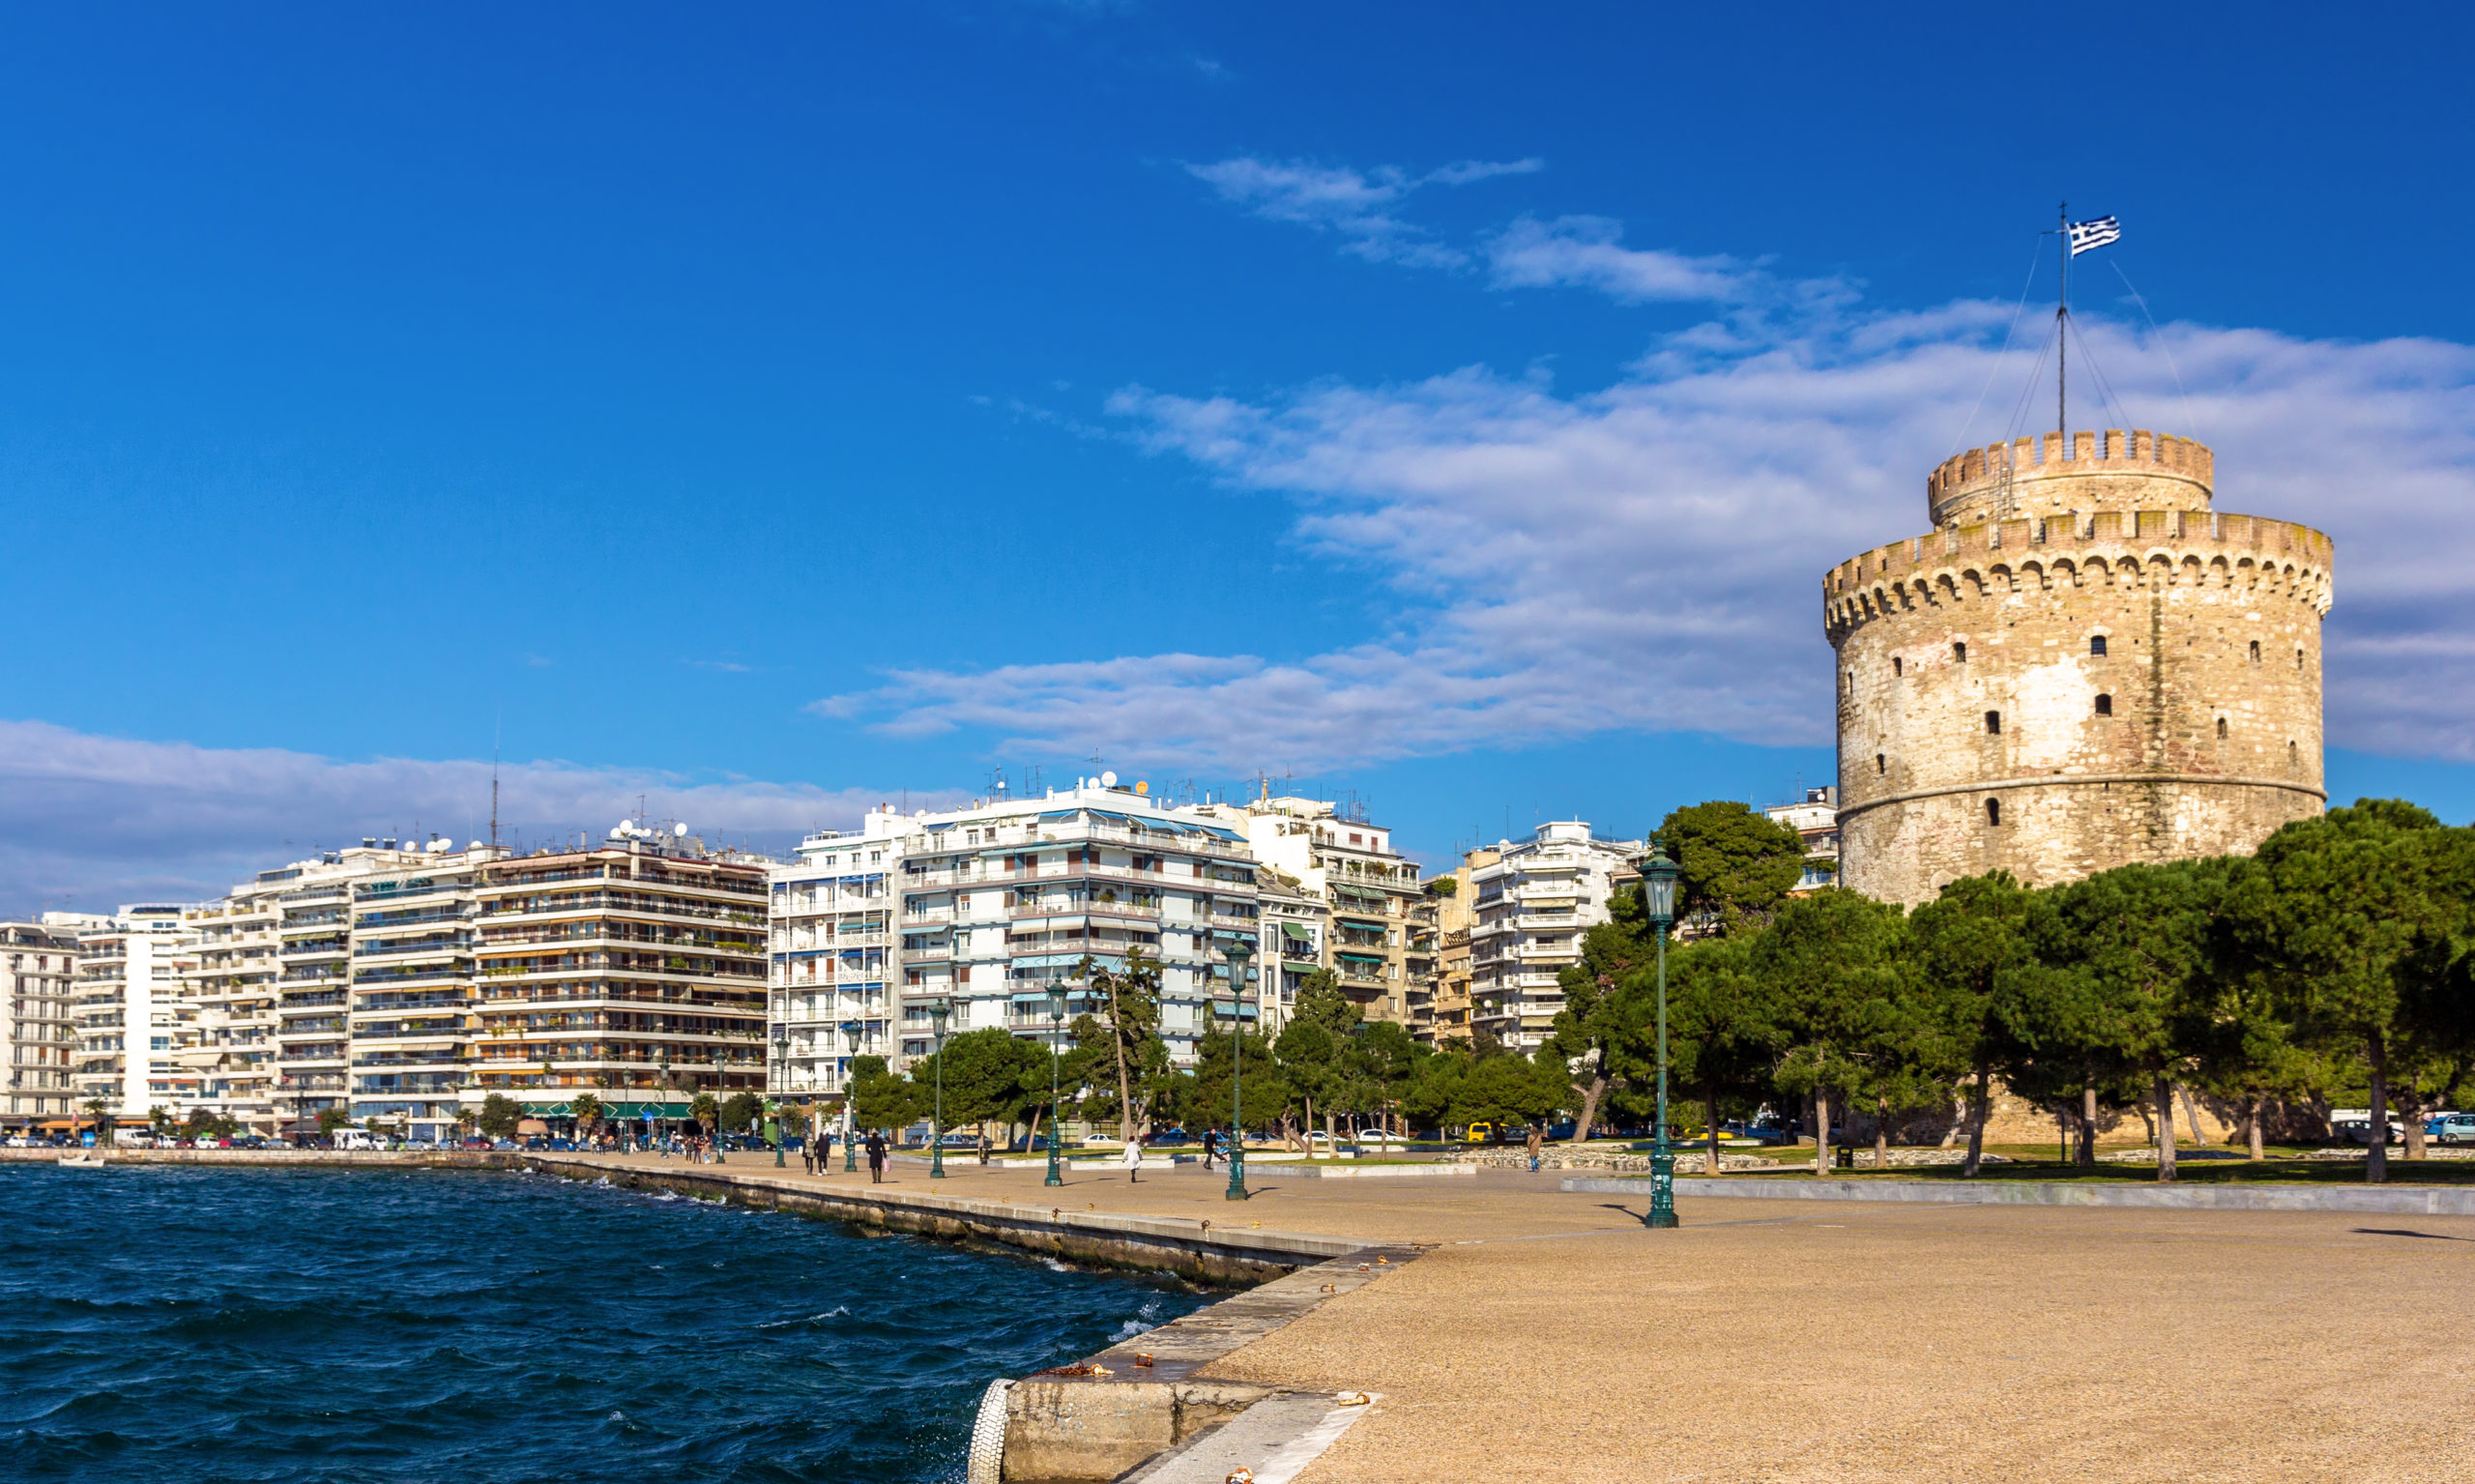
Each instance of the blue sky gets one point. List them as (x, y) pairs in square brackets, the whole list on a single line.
[(776, 412)]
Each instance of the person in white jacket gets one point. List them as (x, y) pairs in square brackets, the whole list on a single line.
[(1132, 1159)]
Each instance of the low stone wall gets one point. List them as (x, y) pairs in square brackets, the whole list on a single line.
[(2383, 1200)]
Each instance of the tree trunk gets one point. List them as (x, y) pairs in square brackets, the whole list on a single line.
[(1329, 1143), (1129, 1131), (2411, 1121), (2251, 1126), (1976, 1127), (1822, 1132), (1589, 1115), (2191, 1114), (2375, 1162), (2088, 1126), (1710, 1119), (1310, 1123), (1881, 1133), (1035, 1141), (2062, 1132), (2165, 1128), (1959, 1120)]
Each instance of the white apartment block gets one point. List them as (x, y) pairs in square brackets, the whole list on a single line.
[(984, 909), (1530, 908), (1817, 819), (1381, 942), (37, 1024), (131, 1011)]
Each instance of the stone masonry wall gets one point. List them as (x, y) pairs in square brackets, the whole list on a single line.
[(1979, 727)]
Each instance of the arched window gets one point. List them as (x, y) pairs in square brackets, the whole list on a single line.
[(1994, 811), (2105, 706), (1960, 653), (2256, 651), (1895, 665), (1994, 723), (2097, 645), (2221, 728)]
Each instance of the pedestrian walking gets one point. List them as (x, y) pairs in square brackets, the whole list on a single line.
[(1535, 1143), (876, 1157), (1132, 1159), (807, 1155), (1210, 1146), (984, 1145)]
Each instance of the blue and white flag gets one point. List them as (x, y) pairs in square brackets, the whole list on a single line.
[(2085, 235)]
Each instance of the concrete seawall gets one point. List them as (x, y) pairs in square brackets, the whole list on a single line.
[(2376, 1200)]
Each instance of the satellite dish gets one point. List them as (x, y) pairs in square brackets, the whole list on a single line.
[(1142, 787), (680, 829), (1108, 781), (626, 824)]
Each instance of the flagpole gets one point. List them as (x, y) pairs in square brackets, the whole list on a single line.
[(2062, 330)]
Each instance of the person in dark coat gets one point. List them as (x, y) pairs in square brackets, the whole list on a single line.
[(1210, 1146), (876, 1157)]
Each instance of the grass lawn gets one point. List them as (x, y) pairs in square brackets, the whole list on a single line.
[(2038, 1163)]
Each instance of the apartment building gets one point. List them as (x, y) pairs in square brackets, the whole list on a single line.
[(1455, 898), (1817, 819), (131, 1014), (1531, 907), (1382, 942), (1297, 942), (39, 1029), (985, 909), (633, 969)]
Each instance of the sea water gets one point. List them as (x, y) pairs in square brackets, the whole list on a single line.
[(402, 1327)]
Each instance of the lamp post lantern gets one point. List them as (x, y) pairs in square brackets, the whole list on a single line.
[(1658, 896), (1056, 1034), (1240, 951), (937, 1014), (718, 1105), (852, 1030)]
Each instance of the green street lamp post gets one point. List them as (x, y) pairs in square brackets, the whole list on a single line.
[(1238, 951), (852, 1030), (1658, 895), (782, 1058), (1056, 1037), (937, 1014), (717, 1106)]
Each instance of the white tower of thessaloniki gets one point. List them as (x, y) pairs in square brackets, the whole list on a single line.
[(2084, 665)]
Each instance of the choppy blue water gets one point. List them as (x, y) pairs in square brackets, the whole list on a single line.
[(402, 1327)]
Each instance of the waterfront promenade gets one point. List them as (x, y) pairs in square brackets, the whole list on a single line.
[(1547, 1336)]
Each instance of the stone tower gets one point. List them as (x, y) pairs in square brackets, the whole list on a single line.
[(2084, 665)]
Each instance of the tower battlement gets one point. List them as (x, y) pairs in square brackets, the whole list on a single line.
[(2046, 476)]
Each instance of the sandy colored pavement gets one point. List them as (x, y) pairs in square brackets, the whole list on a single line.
[(1550, 1337)]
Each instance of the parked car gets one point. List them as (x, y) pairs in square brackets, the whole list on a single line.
[(1161, 1136), (563, 1145), (2452, 1128), (959, 1139)]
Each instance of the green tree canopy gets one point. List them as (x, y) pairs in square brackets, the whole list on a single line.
[(1736, 864), (499, 1115)]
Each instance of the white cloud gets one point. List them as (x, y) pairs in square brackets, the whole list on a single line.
[(1649, 555), (1587, 253), (1357, 205), (103, 820)]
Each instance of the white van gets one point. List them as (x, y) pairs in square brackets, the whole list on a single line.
[(355, 1139)]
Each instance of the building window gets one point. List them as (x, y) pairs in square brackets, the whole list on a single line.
[(2105, 706), (1960, 653), (1994, 811), (1994, 723), (2298, 656), (2097, 645), (1895, 666), (2256, 651), (1881, 766), (2221, 728)]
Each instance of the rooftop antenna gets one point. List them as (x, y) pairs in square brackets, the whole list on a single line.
[(494, 786)]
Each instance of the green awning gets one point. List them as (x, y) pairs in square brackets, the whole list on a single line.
[(1295, 932)]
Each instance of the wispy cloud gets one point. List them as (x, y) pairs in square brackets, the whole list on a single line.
[(1361, 206), (102, 820), (1648, 555)]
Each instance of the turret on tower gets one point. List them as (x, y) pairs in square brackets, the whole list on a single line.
[(2083, 664)]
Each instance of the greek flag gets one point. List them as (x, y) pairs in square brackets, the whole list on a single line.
[(2085, 235)]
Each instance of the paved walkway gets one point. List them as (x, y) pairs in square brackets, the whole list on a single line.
[(1549, 1337)]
